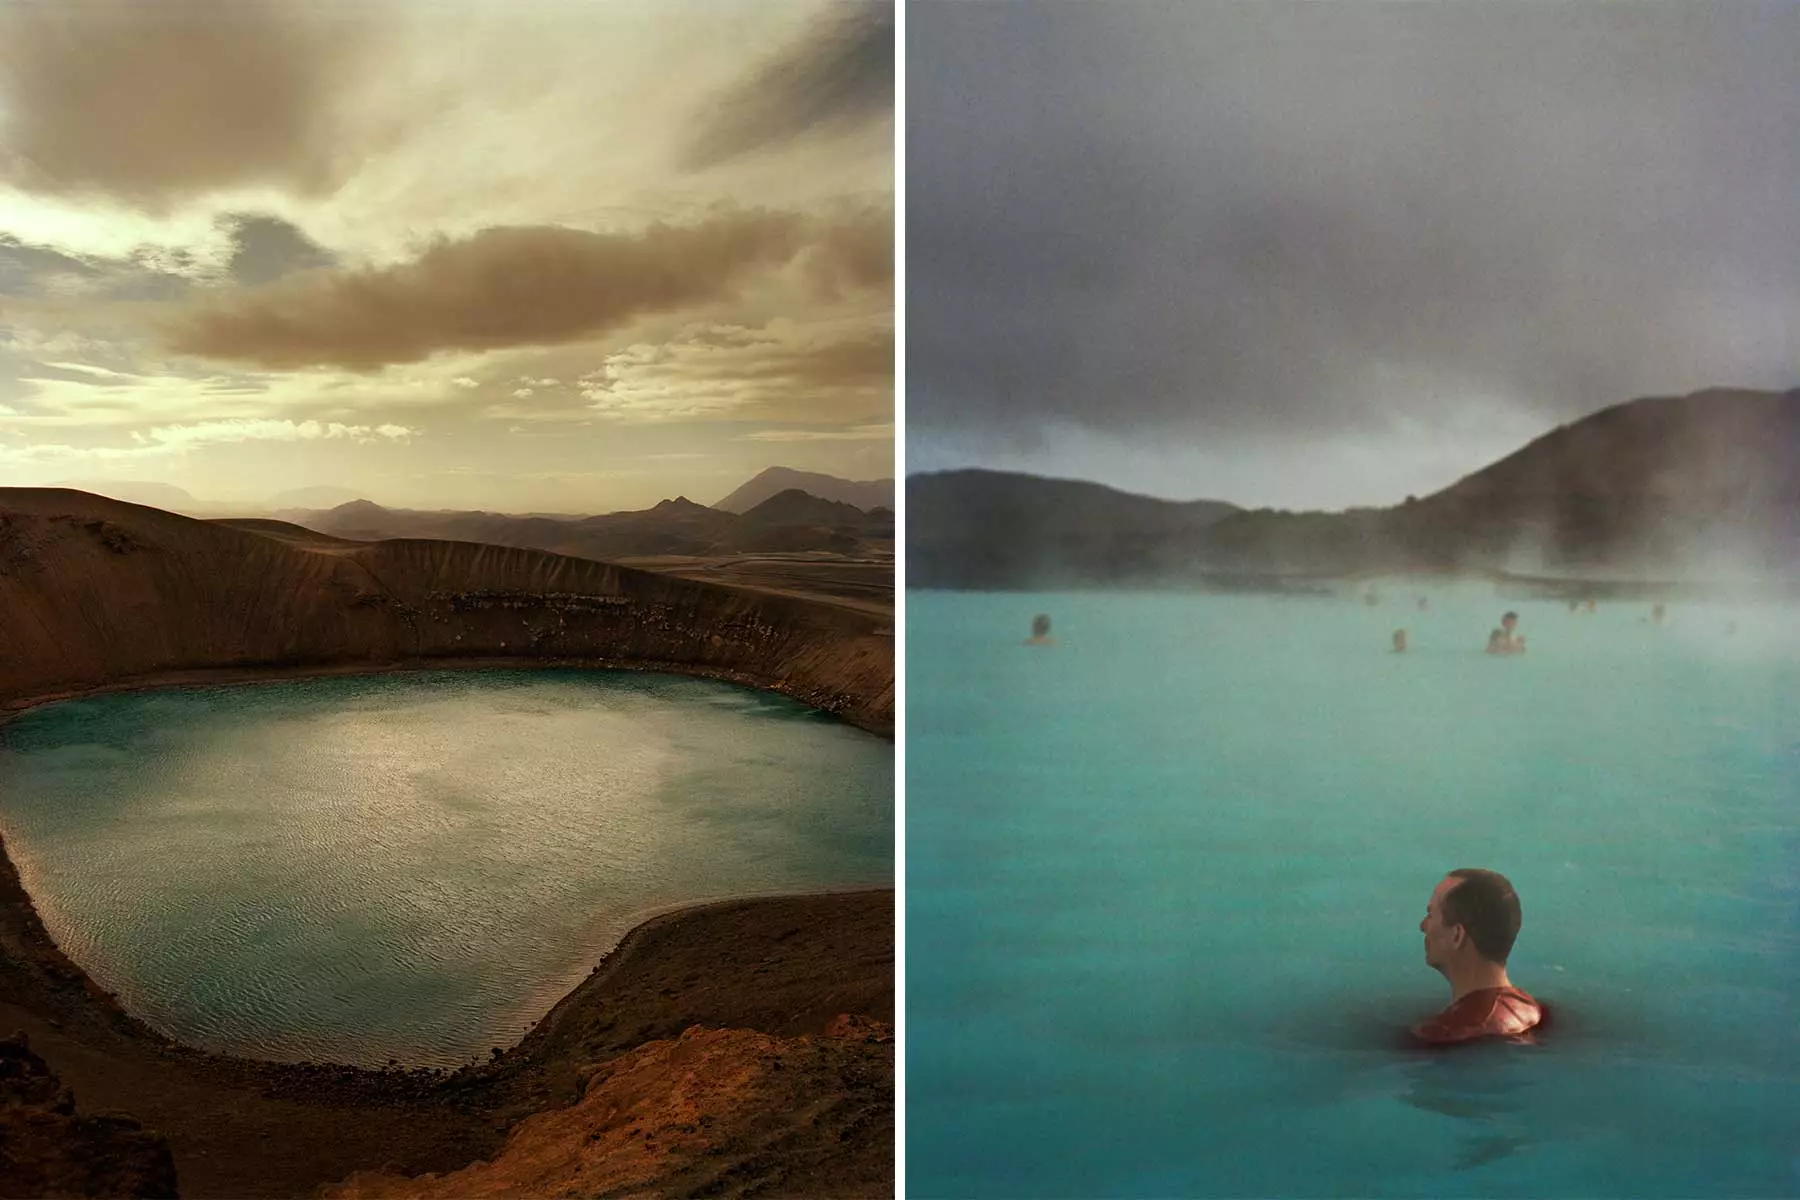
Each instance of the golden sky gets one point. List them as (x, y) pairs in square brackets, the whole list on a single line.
[(520, 256)]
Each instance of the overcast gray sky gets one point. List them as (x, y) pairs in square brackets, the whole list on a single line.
[(505, 254), (1327, 254)]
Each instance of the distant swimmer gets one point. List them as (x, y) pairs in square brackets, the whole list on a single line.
[(1399, 641), (1503, 640), (1471, 922), (1573, 605), (1656, 614), (1590, 604), (1040, 631), (1424, 604), (1371, 599)]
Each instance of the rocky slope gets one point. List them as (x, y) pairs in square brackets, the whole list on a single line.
[(97, 592), (715, 1112)]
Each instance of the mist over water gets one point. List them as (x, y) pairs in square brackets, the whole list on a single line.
[(415, 865), (1165, 879)]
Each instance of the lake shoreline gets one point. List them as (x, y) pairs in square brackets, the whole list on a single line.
[(783, 965)]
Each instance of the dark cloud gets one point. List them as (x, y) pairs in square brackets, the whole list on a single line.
[(1214, 221), (22, 266), (509, 286), (853, 250), (838, 75), (42, 271), (155, 102), (264, 248)]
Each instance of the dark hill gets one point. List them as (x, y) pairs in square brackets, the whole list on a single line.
[(997, 529), (863, 494), (795, 507)]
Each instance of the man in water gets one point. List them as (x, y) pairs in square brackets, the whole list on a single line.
[(1503, 640), (1040, 631), (1470, 925), (1399, 641), (1656, 614)]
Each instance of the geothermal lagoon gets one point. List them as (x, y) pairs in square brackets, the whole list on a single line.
[(415, 866), (1165, 879)]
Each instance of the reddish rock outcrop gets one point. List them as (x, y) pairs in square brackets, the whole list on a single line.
[(715, 1112)]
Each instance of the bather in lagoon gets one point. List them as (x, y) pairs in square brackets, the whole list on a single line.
[(1471, 922)]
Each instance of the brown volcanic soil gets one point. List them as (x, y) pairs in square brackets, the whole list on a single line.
[(862, 584), (97, 594), (717, 1112)]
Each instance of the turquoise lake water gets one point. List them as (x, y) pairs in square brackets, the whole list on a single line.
[(416, 865), (1165, 879)]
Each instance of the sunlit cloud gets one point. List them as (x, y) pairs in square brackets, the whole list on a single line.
[(213, 432), (302, 229)]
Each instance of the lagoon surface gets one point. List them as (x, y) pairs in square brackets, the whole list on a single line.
[(1165, 879), (415, 865)]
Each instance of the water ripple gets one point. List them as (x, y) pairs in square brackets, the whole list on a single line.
[(414, 866)]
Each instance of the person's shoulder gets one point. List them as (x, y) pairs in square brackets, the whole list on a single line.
[(1457, 1023), (1518, 997), (1516, 1011)]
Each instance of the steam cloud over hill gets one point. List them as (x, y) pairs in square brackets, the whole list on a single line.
[(1693, 488)]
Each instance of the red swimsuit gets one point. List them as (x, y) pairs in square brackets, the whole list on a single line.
[(1490, 1012)]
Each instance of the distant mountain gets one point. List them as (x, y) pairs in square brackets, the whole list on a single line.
[(980, 529), (671, 527), (1705, 486), (866, 494), (313, 497), (165, 496)]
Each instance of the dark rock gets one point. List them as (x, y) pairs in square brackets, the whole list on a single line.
[(48, 1149)]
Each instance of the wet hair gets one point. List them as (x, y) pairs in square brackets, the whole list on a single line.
[(1511, 616), (1040, 625), (1485, 904)]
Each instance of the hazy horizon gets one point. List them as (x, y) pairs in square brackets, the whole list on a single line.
[(548, 257), (1319, 256), (323, 497)]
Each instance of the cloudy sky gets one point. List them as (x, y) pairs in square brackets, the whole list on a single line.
[(509, 254), (1328, 254)]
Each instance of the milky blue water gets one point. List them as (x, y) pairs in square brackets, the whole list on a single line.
[(415, 865), (1165, 879)]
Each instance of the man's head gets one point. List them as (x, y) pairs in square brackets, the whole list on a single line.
[(1040, 625), (1509, 622), (1472, 915)]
